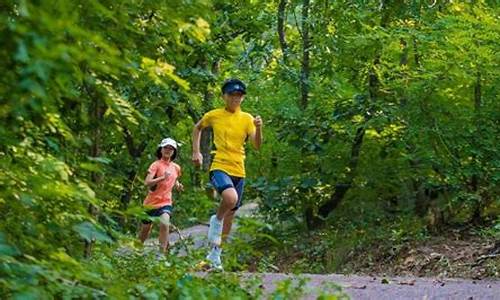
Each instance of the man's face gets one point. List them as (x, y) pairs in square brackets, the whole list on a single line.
[(233, 100)]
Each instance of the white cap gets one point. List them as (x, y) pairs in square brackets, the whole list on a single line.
[(168, 142)]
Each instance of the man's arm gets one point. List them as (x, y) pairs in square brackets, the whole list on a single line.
[(197, 157), (256, 137)]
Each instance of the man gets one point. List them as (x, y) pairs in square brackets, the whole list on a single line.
[(232, 128)]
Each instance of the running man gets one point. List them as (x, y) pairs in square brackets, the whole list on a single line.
[(232, 128)]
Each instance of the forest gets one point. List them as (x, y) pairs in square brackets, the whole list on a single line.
[(380, 124)]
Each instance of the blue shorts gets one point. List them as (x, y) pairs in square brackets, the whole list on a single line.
[(157, 212), (221, 180)]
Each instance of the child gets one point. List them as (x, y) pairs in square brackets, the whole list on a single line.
[(162, 177)]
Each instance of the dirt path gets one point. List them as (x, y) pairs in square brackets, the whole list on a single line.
[(363, 287)]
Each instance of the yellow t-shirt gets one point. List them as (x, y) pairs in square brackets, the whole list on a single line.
[(231, 131)]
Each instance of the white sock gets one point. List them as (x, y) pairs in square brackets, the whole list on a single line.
[(217, 220)]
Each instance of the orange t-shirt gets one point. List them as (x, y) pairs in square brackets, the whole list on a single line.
[(162, 195)]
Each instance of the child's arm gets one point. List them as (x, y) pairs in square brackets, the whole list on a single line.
[(178, 185), (151, 181)]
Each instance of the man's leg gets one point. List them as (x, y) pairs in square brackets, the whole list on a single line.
[(164, 232), (144, 233), (222, 222), (228, 222), (229, 200), (223, 219), (229, 217)]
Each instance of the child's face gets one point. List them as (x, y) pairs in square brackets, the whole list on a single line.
[(233, 100), (167, 151)]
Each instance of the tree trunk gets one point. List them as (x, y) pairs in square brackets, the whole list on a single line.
[(97, 110), (342, 188), (474, 180), (206, 139), (422, 202), (311, 220), (403, 60), (416, 55), (206, 147), (281, 29), (135, 152), (306, 48), (207, 134)]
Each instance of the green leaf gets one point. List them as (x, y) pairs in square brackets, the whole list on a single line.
[(22, 52), (90, 167), (101, 159), (28, 294), (90, 232), (5, 248), (8, 250)]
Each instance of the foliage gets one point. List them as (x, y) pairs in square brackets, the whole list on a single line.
[(85, 87), (399, 132), (428, 122), (333, 248), (140, 276), (419, 82)]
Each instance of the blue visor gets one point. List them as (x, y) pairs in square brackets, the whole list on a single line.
[(234, 87)]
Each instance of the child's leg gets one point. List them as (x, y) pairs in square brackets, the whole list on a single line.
[(164, 232), (145, 230)]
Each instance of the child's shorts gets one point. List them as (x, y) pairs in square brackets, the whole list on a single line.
[(157, 212), (221, 180)]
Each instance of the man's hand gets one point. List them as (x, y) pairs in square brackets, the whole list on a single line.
[(256, 136), (257, 121), (197, 159)]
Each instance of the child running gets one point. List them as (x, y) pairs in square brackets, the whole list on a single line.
[(162, 177)]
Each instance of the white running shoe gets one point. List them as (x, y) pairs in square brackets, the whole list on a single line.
[(215, 231), (214, 259)]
